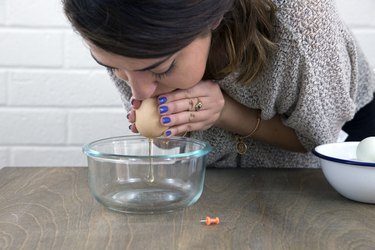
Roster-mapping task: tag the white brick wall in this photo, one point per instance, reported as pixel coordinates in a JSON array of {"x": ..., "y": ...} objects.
[
  {"x": 358, "y": 13},
  {"x": 29, "y": 47},
  {"x": 360, "y": 16},
  {"x": 53, "y": 96}
]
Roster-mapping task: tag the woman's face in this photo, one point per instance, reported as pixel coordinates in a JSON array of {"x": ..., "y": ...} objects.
[{"x": 153, "y": 77}]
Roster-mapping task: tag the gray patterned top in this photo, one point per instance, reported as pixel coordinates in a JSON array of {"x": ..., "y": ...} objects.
[{"x": 316, "y": 80}]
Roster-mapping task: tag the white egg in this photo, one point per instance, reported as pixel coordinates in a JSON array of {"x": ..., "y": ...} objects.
[{"x": 366, "y": 149}]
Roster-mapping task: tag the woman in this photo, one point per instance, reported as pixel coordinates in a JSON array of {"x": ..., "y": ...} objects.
[{"x": 263, "y": 81}]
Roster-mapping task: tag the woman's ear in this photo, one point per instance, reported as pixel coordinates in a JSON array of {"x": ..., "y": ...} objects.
[{"x": 216, "y": 23}]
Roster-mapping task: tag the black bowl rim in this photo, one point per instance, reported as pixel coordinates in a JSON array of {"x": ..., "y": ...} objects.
[{"x": 343, "y": 161}]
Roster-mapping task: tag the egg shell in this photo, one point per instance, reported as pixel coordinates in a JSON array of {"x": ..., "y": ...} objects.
[
  {"x": 148, "y": 119},
  {"x": 366, "y": 149}
]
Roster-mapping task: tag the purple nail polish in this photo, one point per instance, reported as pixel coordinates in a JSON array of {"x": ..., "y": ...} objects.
[
  {"x": 163, "y": 109},
  {"x": 168, "y": 133},
  {"x": 166, "y": 120},
  {"x": 162, "y": 100}
]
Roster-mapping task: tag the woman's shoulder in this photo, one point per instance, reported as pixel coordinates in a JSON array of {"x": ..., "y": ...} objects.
[
  {"x": 311, "y": 28},
  {"x": 308, "y": 17},
  {"x": 305, "y": 8}
]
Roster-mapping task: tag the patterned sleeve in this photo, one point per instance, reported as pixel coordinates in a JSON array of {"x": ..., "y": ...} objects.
[{"x": 324, "y": 69}]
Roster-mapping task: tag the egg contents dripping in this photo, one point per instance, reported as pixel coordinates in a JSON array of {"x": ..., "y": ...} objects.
[
  {"x": 366, "y": 149},
  {"x": 148, "y": 125},
  {"x": 150, "y": 175}
]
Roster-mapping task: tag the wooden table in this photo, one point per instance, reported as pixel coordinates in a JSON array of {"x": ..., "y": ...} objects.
[{"x": 52, "y": 208}]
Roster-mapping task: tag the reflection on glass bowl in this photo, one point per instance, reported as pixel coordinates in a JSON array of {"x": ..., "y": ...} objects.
[{"x": 135, "y": 175}]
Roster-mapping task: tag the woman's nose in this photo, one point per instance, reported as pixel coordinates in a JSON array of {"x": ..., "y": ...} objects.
[{"x": 143, "y": 85}]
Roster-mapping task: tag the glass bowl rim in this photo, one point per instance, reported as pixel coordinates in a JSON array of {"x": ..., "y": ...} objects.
[
  {"x": 87, "y": 148},
  {"x": 339, "y": 160}
]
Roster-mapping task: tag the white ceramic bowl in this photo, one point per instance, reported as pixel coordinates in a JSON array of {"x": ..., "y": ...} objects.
[
  {"x": 350, "y": 177},
  {"x": 127, "y": 175}
]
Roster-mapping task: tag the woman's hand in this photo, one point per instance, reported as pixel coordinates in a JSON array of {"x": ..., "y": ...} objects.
[
  {"x": 131, "y": 115},
  {"x": 196, "y": 108}
]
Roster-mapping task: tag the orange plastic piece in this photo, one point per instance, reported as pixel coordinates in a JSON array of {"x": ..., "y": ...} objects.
[{"x": 210, "y": 220}]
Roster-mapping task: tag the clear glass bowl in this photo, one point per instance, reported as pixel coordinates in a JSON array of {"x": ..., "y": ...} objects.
[{"x": 134, "y": 174}]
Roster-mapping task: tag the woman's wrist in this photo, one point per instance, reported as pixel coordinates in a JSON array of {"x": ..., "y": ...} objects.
[
  {"x": 238, "y": 118},
  {"x": 242, "y": 121}
]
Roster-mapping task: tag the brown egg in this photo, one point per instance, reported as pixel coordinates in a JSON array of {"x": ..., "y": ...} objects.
[{"x": 148, "y": 119}]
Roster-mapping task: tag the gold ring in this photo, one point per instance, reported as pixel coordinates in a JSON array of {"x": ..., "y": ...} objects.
[
  {"x": 191, "y": 116},
  {"x": 198, "y": 106}
]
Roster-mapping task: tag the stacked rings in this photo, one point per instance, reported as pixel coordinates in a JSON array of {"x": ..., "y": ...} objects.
[{"x": 198, "y": 106}]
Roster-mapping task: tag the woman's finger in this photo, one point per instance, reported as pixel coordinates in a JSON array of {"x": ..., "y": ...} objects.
[{"x": 192, "y": 104}]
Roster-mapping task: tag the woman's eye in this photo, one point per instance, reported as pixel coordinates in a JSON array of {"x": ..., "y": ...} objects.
[{"x": 160, "y": 76}]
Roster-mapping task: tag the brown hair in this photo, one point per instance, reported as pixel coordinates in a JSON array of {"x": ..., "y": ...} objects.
[
  {"x": 152, "y": 29},
  {"x": 243, "y": 41}
]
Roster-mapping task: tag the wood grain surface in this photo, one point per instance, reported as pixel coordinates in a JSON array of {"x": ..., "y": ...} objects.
[{"x": 52, "y": 208}]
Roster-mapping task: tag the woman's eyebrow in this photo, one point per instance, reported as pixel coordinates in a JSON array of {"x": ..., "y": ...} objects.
[{"x": 152, "y": 66}]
